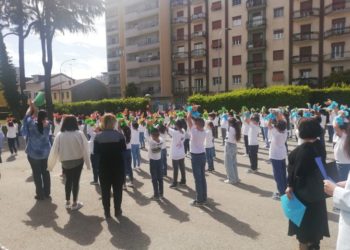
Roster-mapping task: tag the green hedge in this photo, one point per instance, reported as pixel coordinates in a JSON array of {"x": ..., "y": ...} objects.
[
  {"x": 106, "y": 105},
  {"x": 292, "y": 96}
]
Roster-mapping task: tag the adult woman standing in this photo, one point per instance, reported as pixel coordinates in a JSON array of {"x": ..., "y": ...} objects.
[
  {"x": 233, "y": 135},
  {"x": 109, "y": 145},
  {"x": 71, "y": 148},
  {"x": 38, "y": 147},
  {"x": 305, "y": 181}
]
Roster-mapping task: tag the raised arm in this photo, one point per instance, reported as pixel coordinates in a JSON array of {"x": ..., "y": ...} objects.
[{"x": 189, "y": 120}]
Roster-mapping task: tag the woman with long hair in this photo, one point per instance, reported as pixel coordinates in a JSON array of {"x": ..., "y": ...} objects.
[
  {"x": 233, "y": 136},
  {"x": 38, "y": 147},
  {"x": 72, "y": 149}
]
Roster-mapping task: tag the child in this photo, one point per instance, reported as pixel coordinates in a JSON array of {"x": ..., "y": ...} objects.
[
  {"x": 135, "y": 145},
  {"x": 233, "y": 136},
  {"x": 253, "y": 145},
  {"x": 155, "y": 161},
  {"x": 11, "y": 136},
  {"x": 142, "y": 129},
  {"x": 127, "y": 156},
  {"x": 93, "y": 157},
  {"x": 162, "y": 131},
  {"x": 209, "y": 146},
  {"x": 245, "y": 129}
]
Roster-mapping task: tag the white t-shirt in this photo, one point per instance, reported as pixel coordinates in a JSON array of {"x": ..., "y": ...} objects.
[
  {"x": 177, "y": 144},
  {"x": 11, "y": 131},
  {"x": 323, "y": 121},
  {"x": 164, "y": 137},
  {"x": 216, "y": 121},
  {"x": 339, "y": 152},
  {"x": 197, "y": 141},
  {"x": 209, "y": 139},
  {"x": 223, "y": 123},
  {"x": 245, "y": 127},
  {"x": 142, "y": 129},
  {"x": 135, "y": 137},
  {"x": 278, "y": 150},
  {"x": 231, "y": 135},
  {"x": 253, "y": 132},
  {"x": 155, "y": 148}
]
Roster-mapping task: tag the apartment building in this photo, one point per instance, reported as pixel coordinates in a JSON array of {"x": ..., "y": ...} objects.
[{"x": 222, "y": 45}]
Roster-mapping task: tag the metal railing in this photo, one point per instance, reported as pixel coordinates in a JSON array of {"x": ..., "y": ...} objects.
[
  {"x": 340, "y": 56},
  {"x": 175, "y": 3},
  {"x": 199, "y": 34},
  {"x": 198, "y": 16},
  {"x": 180, "y": 55},
  {"x": 256, "y": 65},
  {"x": 305, "y": 36},
  {"x": 180, "y": 38},
  {"x": 305, "y": 59},
  {"x": 180, "y": 72},
  {"x": 198, "y": 71},
  {"x": 256, "y": 44},
  {"x": 252, "y": 4},
  {"x": 340, "y": 6},
  {"x": 306, "y": 13},
  {"x": 258, "y": 23},
  {"x": 198, "y": 52},
  {"x": 337, "y": 32},
  {"x": 309, "y": 81},
  {"x": 179, "y": 20}
]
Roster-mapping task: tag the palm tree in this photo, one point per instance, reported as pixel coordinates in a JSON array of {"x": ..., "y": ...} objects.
[{"x": 53, "y": 16}]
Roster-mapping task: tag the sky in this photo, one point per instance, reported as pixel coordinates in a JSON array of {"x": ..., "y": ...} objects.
[{"x": 89, "y": 50}]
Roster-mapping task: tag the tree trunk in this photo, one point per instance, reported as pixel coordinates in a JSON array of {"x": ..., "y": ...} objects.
[{"x": 48, "y": 70}]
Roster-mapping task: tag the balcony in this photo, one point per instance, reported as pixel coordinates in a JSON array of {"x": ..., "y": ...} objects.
[
  {"x": 198, "y": 52},
  {"x": 337, "y": 32},
  {"x": 336, "y": 57},
  {"x": 337, "y": 7},
  {"x": 199, "y": 34},
  {"x": 151, "y": 58},
  {"x": 196, "y": 1},
  {"x": 255, "y": 45},
  {"x": 179, "y": 20},
  {"x": 300, "y": 14},
  {"x": 180, "y": 55},
  {"x": 256, "y": 65},
  {"x": 180, "y": 72},
  {"x": 199, "y": 16},
  {"x": 199, "y": 71},
  {"x": 179, "y": 3},
  {"x": 255, "y": 4},
  {"x": 186, "y": 90},
  {"x": 309, "y": 81},
  {"x": 256, "y": 24},
  {"x": 182, "y": 38},
  {"x": 305, "y": 36},
  {"x": 305, "y": 59}
]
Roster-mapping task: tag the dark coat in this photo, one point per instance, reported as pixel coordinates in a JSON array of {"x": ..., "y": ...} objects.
[{"x": 302, "y": 164}]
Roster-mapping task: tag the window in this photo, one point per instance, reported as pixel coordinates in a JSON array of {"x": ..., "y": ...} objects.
[
  {"x": 338, "y": 50},
  {"x": 216, "y": 6},
  {"x": 216, "y": 44},
  {"x": 180, "y": 49},
  {"x": 198, "y": 10},
  {"x": 278, "y": 12},
  {"x": 278, "y": 76},
  {"x": 236, "y": 2},
  {"x": 278, "y": 34},
  {"x": 54, "y": 96},
  {"x": 198, "y": 28},
  {"x": 198, "y": 46},
  {"x": 67, "y": 95},
  {"x": 198, "y": 84},
  {"x": 236, "y": 21},
  {"x": 180, "y": 84},
  {"x": 216, "y": 24},
  {"x": 305, "y": 73},
  {"x": 216, "y": 62},
  {"x": 217, "y": 80},
  {"x": 338, "y": 23},
  {"x": 236, "y": 40},
  {"x": 236, "y": 60},
  {"x": 236, "y": 79},
  {"x": 181, "y": 67},
  {"x": 338, "y": 69},
  {"x": 180, "y": 13},
  {"x": 278, "y": 55}
]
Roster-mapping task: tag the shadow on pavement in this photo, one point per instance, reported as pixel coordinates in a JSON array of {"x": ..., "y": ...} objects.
[
  {"x": 42, "y": 214},
  {"x": 254, "y": 189},
  {"x": 139, "y": 198},
  {"x": 238, "y": 227},
  {"x": 30, "y": 178},
  {"x": 11, "y": 158},
  {"x": 173, "y": 211},
  {"x": 127, "y": 235}
]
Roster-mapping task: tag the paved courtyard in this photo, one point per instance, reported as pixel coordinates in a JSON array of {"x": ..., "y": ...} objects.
[{"x": 237, "y": 217}]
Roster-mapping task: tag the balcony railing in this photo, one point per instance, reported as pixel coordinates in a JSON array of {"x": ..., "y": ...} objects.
[
  {"x": 148, "y": 42},
  {"x": 305, "y": 59},
  {"x": 196, "y": 1},
  {"x": 199, "y": 71},
  {"x": 180, "y": 55},
  {"x": 256, "y": 24},
  {"x": 181, "y": 38},
  {"x": 256, "y": 44},
  {"x": 256, "y": 65},
  {"x": 341, "y": 56},
  {"x": 305, "y": 36},
  {"x": 198, "y": 16},
  {"x": 186, "y": 90},
  {"x": 148, "y": 58},
  {"x": 180, "y": 72},
  {"x": 309, "y": 81},
  {"x": 254, "y": 4},
  {"x": 306, "y": 13},
  {"x": 178, "y": 3},
  {"x": 179, "y": 20},
  {"x": 198, "y": 52},
  {"x": 337, "y": 32},
  {"x": 337, "y": 7},
  {"x": 199, "y": 34}
]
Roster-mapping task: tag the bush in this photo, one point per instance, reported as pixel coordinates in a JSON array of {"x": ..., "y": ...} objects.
[
  {"x": 106, "y": 105},
  {"x": 341, "y": 95}
]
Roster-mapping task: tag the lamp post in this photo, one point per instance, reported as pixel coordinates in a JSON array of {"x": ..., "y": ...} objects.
[{"x": 64, "y": 62}]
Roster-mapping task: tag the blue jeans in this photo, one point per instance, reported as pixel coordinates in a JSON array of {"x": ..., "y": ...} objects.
[
  {"x": 164, "y": 161},
  {"x": 266, "y": 136},
  {"x": 343, "y": 171},
  {"x": 157, "y": 177},
  {"x": 135, "y": 151},
  {"x": 198, "y": 168},
  {"x": 210, "y": 152},
  {"x": 231, "y": 162},
  {"x": 127, "y": 164},
  {"x": 280, "y": 174},
  {"x": 142, "y": 139}
]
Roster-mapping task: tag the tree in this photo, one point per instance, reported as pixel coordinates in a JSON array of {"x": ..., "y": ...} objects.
[
  {"x": 53, "y": 16},
  {"x": 131, "y": 90},
  {"x": 8, "y": 79},
  {"x": 338, "y": 78}
]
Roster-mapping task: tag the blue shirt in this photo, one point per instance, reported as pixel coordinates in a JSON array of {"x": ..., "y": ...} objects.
[{"x": 38, "y": 145}]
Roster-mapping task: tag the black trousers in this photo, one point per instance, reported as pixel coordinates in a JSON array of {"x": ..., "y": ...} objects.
[
  {"x": 72, "y": 182},
  {"x": 41, "y": 177},
  {"x": 253, "y": 156},
  {"x": 223, "y": 134},
  {"x": 179, "y": 164},
  {"x": 12, "y": 145},
  {"x": 246, "y": 144},
  {"x": 110, "y": 180},
  {"x": 187, "y": 145}
]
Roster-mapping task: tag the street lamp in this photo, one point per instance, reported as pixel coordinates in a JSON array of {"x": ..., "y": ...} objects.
[{"x": 64, "y": 62}]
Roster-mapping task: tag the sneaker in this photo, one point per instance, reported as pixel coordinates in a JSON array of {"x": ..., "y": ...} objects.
[
  {"x": 276, "y": 196},
  {"x": 161, "y": 197},
  {"x": 94, "y": 183},
  {"x": 130, "y": 184},
  {"x": 155, "y": 198},
  {"x": 245, "y": 155},
  {"x": 68, "y": 205},
  {"x": 174, "y": 185},
  {"x": 77, "y": 206},
  {"x": 336, "y": 210},
  {"x": 197, "y": 203},
  {"x": 182, "y": 183}
]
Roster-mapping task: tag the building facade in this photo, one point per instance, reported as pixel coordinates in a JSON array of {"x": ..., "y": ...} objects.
[{"x": 218, "y": 46}]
